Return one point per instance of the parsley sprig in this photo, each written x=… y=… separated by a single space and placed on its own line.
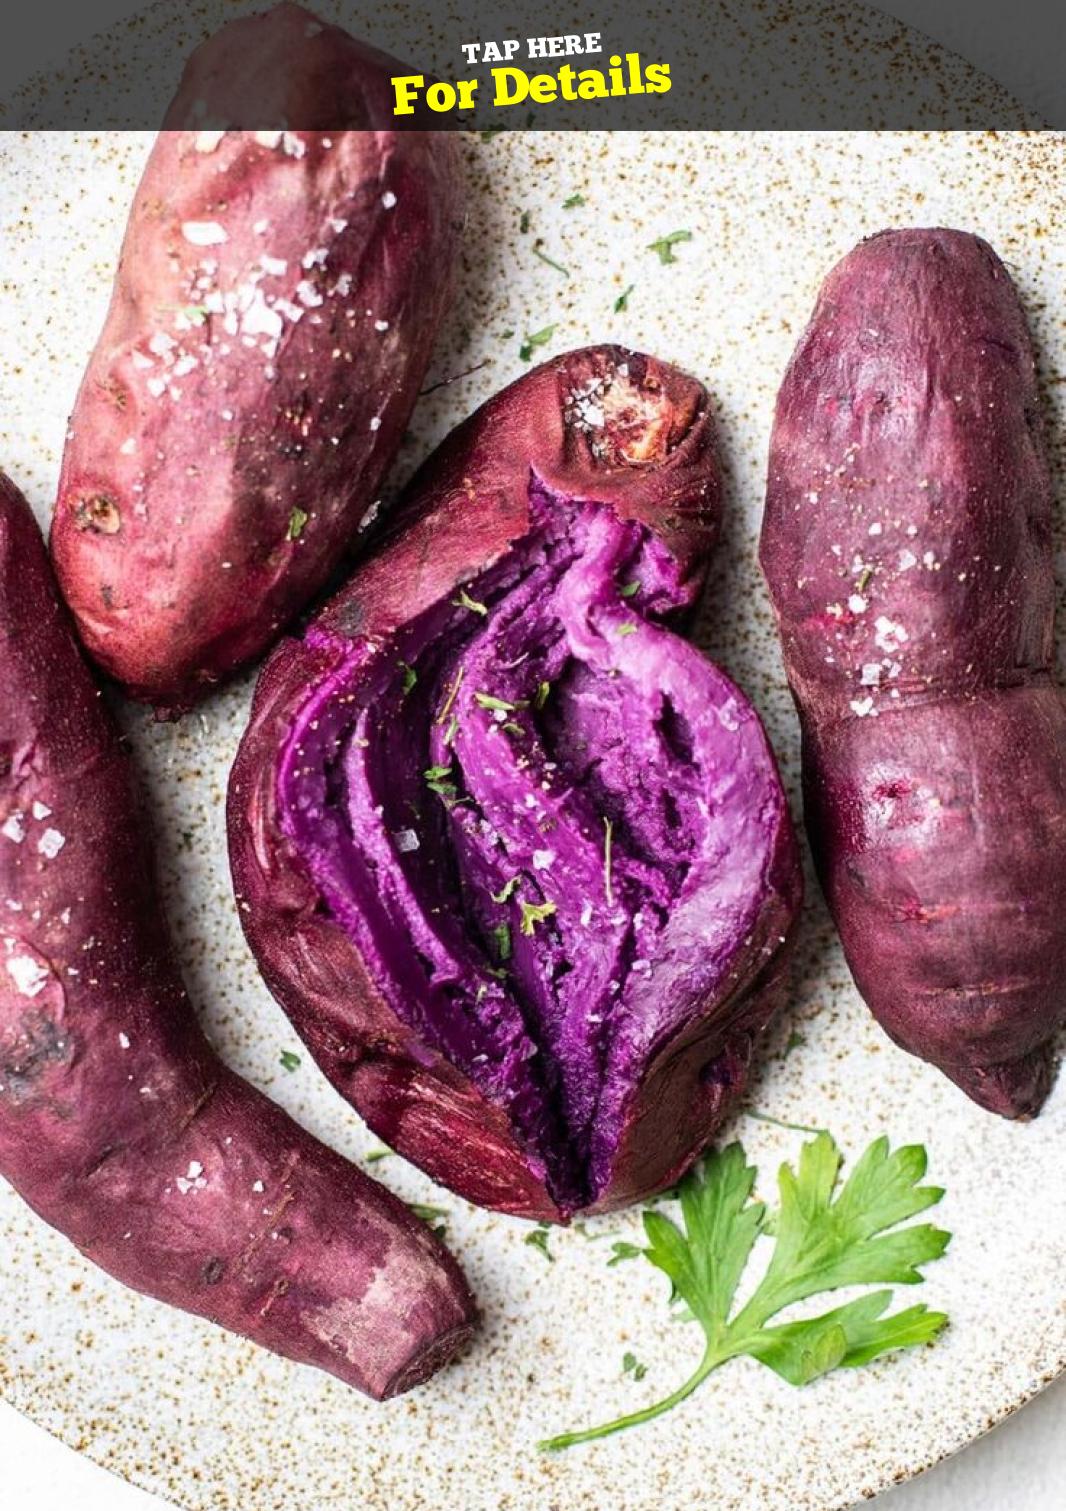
x=824 y=1239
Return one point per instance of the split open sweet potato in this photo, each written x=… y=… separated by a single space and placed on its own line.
x=514 y=855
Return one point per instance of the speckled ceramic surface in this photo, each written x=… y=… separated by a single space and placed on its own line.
x=213 y=1422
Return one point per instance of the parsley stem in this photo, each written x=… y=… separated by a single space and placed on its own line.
x=710 y=1362
x=764 y=1117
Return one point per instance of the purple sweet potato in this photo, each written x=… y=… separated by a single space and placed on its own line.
x=907 y=545
x=276 y=300
x=515 y=857
x=118 y=1123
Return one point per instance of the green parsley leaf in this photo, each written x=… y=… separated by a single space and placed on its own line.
x=620 y=1251
x=540 y=697
x=507 y=335
x=437 y=773
x=464 y=601
x=534 y=913
x=573 y=200
x=795 y=1041
x=452 y=730
x=506 y=891
x=376 y=1155
x=665 y=245
x=488 y=132
x=289 y=1060
x=622 y=302
x=501 y=937
x=523 y=222
x=538 y=338
x=864 y=579
x=628 y=589
x=410 y=677
x=827 y=1237
x=538 y=1239
x=297 y=520
x=630 y=1366
x=538 y=251
x=629 y=628
x=196 y=314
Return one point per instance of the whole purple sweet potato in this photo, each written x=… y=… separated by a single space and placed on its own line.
x=514 y=857
x=118 y=1124
x=276 y=301
x=907 y=544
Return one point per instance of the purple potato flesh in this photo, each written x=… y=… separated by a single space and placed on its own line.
x=550 y=828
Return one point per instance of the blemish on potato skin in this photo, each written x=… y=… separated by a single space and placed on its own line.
x=97 y=513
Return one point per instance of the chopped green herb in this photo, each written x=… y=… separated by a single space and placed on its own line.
x=297 y=520
x=795 y=1040
x=538 y=1239
x=621 y=1251
x=501 y=936
x=582 y=1228
x=631 y=1367
x=629 y=628
x=534 y=913
x=622 y=302
x=523 y=222
x=538 y=251
x=507 y=335
x=488 y=132
x=512 y=729
x=486 y=700
x=538 y=338
x=464 y=601
x=375 y=1156
x=289 y=1060
x=864 y=579
x=540 y=697
x=573 y=201
x=410 y=677
x=666 y=244
x=506 y=891
x=435 y=1217
x=452 y=730
x=438 y=780
x=196 y=314
x=608 y=835
x=827 y=1237
x=628 y=589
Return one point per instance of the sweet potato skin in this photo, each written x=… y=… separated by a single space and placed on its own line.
x=907 y=546
x=461 y=513
x=118 y=1123
x=273 y=313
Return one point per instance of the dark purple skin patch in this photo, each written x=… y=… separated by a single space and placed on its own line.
x=548 y=824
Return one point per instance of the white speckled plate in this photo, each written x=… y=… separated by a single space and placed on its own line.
x=186 y=1410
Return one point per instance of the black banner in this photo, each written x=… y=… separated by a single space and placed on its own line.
x=703 y=64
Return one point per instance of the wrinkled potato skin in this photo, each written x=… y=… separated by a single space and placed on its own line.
x=461 y=513
x=909 y=490
x=118 y=1123
x=209 y=487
